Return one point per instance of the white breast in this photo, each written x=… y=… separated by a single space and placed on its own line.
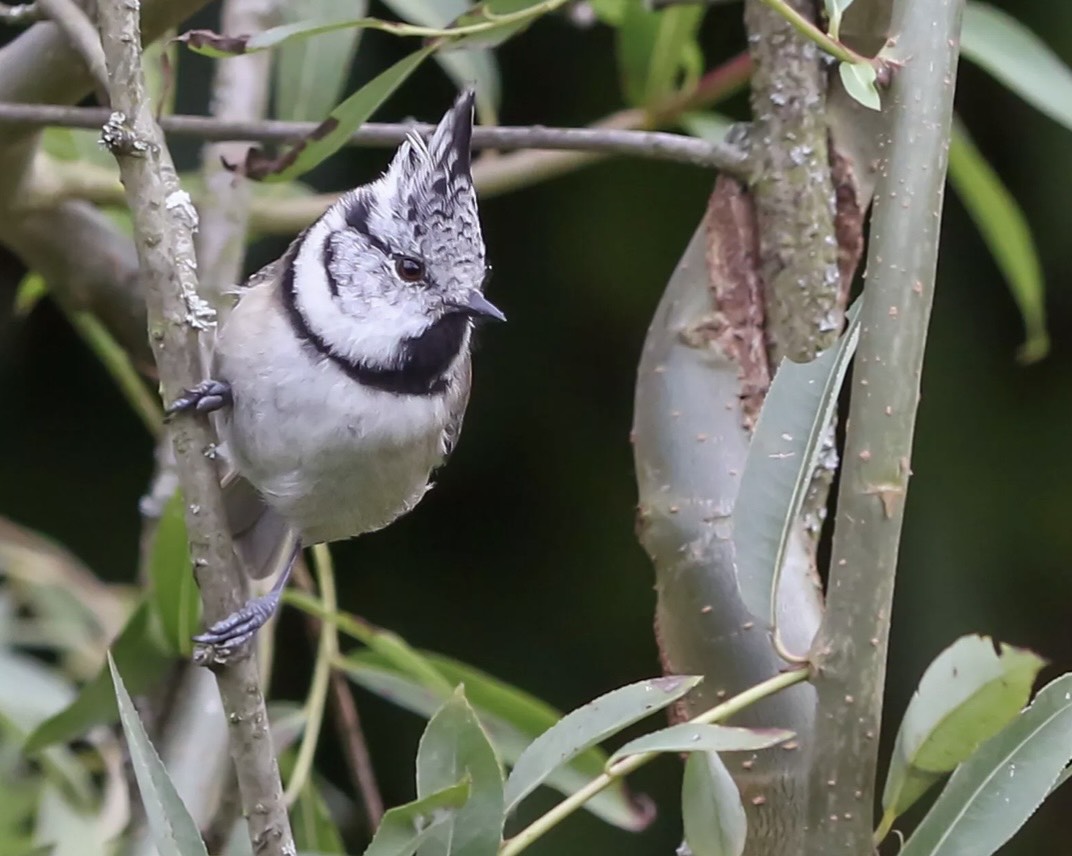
x=335 y=458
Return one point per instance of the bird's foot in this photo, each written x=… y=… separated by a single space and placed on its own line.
x=207 y=396
x=240 y=626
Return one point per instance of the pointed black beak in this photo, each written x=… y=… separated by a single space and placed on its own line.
x=476 y=305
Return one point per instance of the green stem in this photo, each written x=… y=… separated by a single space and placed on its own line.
x=118 y=365
x=811 y=32
x=618 y=770
x=318 y=688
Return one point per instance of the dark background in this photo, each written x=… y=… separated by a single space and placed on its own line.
x=523 y=561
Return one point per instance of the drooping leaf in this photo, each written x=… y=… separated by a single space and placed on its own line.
x=311 y=73
x=587 y=726
x=654 y=48
x=219 y=45
x=173 y=830
x=453 y=747
x=1008 y=50
x=333 y=132
x=859 y=78
x=139 y=652
x=174 y=594
x=686 y=737
x=475 y=68
x=992 y=794
x=781 y=458
x=512 y=719
x=1004 y=227
x=405 y=827
x=966 y=696
x=711 y=810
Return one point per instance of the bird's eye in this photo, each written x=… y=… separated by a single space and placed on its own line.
x=409 y=269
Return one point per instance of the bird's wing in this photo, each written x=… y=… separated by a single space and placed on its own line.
x=263 y=539
x=456 y=404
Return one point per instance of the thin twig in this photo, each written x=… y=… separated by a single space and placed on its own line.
x=74 y=23
x=239 y=92
x=620 y=769
x=636 y=143
x=163 y=225
x=347 y=721
x=849 y=655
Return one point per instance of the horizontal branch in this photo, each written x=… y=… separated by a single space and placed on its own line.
x=646 y=144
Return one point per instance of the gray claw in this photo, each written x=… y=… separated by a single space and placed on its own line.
x=207 y=396
x=240 y=626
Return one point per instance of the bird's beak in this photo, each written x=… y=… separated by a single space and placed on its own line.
x=476 y=305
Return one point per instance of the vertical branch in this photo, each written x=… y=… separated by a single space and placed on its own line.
x=164 y=221
x=793 y=190
x=849 y=655
x=239 y=92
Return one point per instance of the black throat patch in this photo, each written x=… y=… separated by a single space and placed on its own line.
x=423 y=363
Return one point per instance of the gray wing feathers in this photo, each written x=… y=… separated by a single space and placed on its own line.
x=263 y=540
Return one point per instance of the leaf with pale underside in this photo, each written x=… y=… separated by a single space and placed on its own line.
x=404 y=828
x=992 y=794
x=781 y=459
x=711 y=810
x=835 y=9
x=859 y=78
x=588 y=725
x=687 y=737
x=967 y=695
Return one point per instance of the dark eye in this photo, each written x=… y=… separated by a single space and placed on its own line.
x=410 y=269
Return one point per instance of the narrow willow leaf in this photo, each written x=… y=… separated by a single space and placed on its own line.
x=992 y=794
x=405 y=827
x=174 y=831
x=834 y=11
x=686 y=737
x=1004 y=227
x=334 y=131
x=654 y=48
x=29 y=293
x=174 y=593
x=711 y=810
x=453 y=747
x=858 y=78
x=218 y=45
x=311 y=73
x=512 y=720
x=781 y=458
x=966 y=696
x=314 y=828
x=707 y=125
x=588 y=725
x=1008 y=50
x=139 y=653
x=475 y=68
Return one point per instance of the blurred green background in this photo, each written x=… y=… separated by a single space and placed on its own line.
x=522 y=561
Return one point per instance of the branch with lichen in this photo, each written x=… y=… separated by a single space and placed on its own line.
x=164 y=221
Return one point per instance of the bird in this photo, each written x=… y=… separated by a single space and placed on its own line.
x=339 y=380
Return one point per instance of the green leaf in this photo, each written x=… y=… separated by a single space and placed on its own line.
x=588 y=725
x=711 y=810
x=966 y=696
x=475 y=68
x=405 y=827
x=454 y=746
x=858 y=78
x=834 y=10
x=654 y=48
x=1004 y=228
x=28 y=294
x=1008 y=50
x=512 y=719
x=314 y=828
x=209 y=43
x=992 y=794
x=707 y=125
x=781 y=459
x=174 y=593
x=310 y=74
x=139 y=653
x=174 y=831
x=334 y=131
x=687 y=737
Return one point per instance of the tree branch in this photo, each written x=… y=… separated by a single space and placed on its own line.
x=602 y=140
x=164 y=221
x=82 y=36
x=849 y=656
